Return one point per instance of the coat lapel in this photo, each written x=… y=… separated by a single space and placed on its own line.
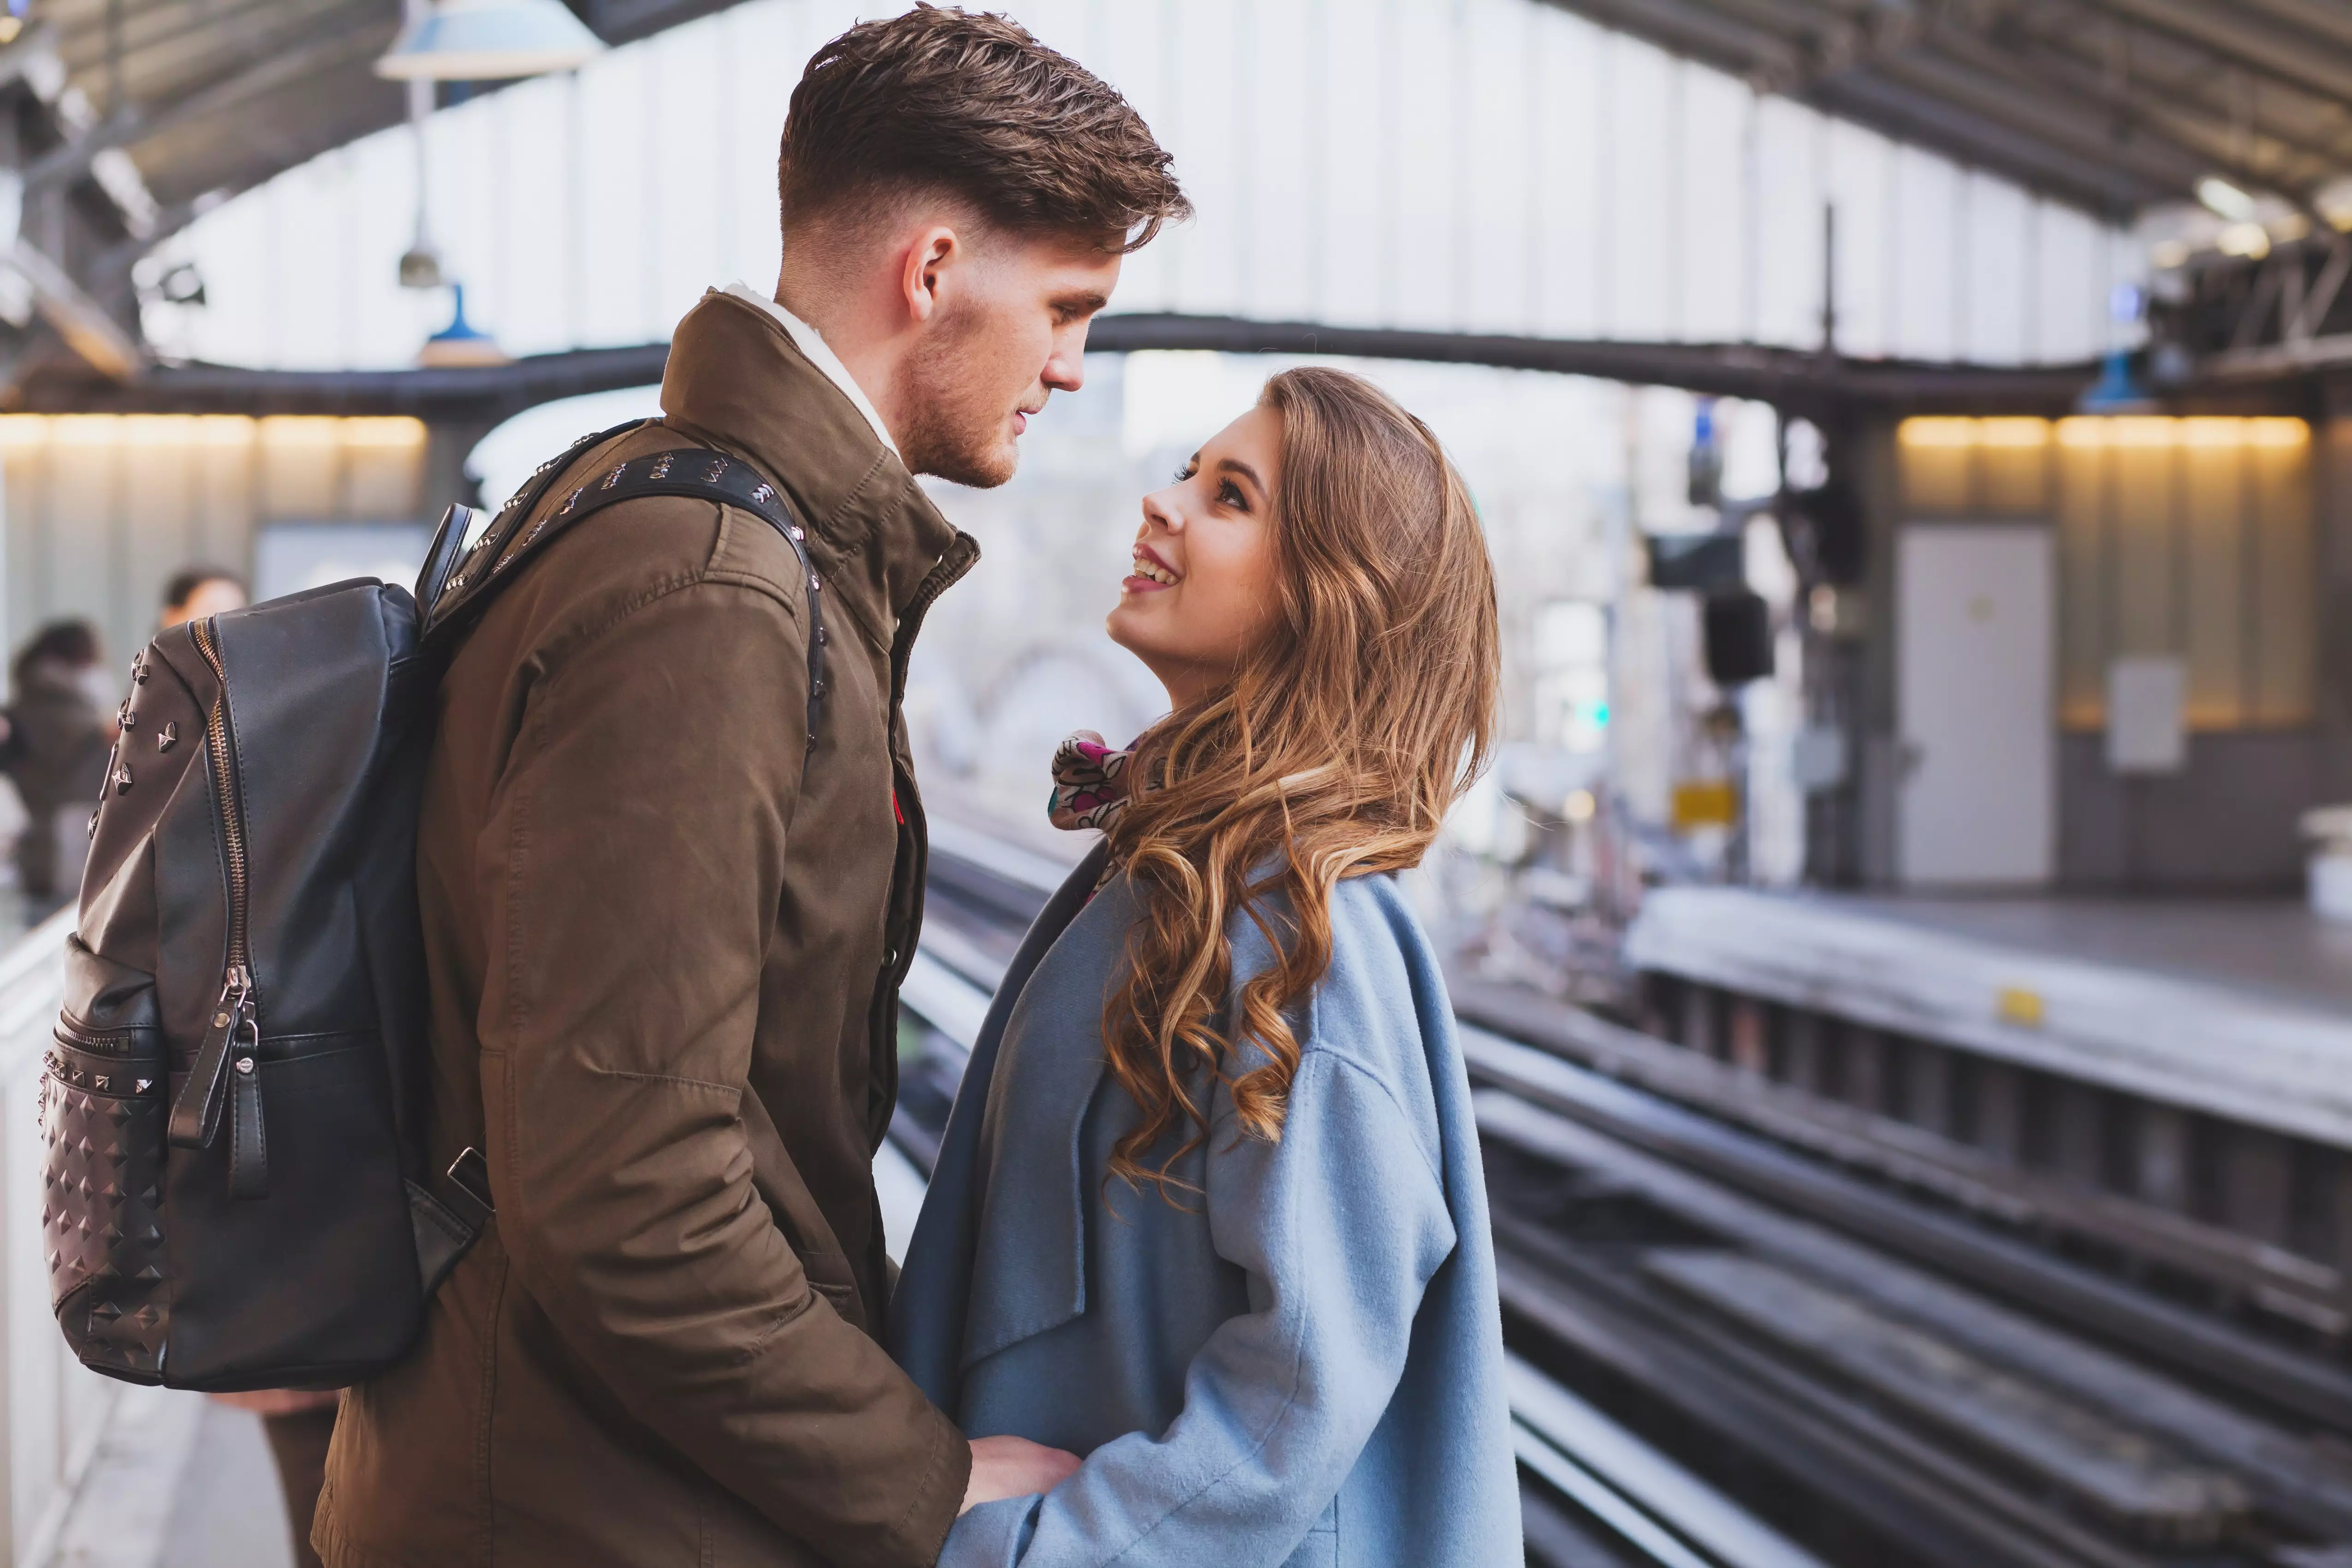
x=1029 y=1269
x=928 y=1314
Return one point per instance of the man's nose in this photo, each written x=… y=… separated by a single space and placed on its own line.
x=1065 y=372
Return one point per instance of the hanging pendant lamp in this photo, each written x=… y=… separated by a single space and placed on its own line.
x=489 y=40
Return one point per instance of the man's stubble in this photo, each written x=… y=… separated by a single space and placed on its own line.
x=956 y=409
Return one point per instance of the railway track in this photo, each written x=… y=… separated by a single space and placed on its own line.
x=1731 y=1350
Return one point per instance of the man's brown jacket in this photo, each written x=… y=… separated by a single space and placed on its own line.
x=666 y=937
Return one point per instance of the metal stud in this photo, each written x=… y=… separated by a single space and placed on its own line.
x=614 y=476
x=93 y=825
x=168 y=736
x=122 y=779
x=661 y=467
x=717 y=467
x=124 y=718
x=797 y=534
x=145 y=1084
x=817 y=689
x=139 y=671
x=105 y=1081
x=815 y=582
x=761 y=493
x=245 y=1067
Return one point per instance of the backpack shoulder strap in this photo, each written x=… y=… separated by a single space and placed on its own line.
x=689 y=471
x=449 y=539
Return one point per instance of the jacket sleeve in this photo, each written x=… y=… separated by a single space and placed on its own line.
x=1338 y=1246
x=633 y=870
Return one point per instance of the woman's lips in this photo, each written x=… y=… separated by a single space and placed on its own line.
x=1134 y=584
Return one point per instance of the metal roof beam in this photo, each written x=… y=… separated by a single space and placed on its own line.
x=1793 y=378
x=2039 y=115
x=332 y=42
x=2308 y=65
x=1695 y=30
x=2035 y=69
x=2081 y=168
x=196 y=21
x=2096 y=184
x=2326 y=21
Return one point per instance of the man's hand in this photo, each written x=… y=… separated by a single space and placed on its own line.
x=1014 y=1467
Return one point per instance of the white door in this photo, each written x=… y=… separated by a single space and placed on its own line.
x=1975 y=652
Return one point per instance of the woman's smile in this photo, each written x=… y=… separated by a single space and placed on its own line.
x=1151 y=572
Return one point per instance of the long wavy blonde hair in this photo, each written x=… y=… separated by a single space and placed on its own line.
x=1334 y=751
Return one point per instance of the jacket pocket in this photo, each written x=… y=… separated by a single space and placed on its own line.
x=829 y=1276
x=103 y=1106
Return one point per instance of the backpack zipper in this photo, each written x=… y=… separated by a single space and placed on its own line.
x=233 y=1040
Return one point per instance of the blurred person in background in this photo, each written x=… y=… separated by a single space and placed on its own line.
x=60 y=726
x=199 y=592
x=1209 y=1209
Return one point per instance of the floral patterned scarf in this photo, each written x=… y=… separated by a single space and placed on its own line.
x=1089 y=782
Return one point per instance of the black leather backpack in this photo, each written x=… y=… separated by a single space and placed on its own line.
x=236 y=1190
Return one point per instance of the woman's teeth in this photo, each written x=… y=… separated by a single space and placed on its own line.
x=1147 y=567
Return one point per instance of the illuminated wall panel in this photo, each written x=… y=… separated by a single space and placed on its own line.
x=2190 y=537
x=103 y=509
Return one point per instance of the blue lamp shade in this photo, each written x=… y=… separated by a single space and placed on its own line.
x=489 y=40
x=460 y=343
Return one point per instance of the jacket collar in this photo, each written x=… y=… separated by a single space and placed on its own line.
x=736 y=379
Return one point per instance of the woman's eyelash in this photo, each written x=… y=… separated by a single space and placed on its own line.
x=1230 y=494
x=1186 y=472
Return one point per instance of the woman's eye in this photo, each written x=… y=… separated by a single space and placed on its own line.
x=1230 y=494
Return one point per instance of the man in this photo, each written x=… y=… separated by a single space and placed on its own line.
x=665 y=927
x=197 y=592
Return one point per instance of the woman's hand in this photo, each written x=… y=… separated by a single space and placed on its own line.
x=1014 y=1467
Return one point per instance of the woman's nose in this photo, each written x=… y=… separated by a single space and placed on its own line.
x=1157 y=509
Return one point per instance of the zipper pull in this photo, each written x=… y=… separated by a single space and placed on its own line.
x=248 y=1161
x=196 y=1114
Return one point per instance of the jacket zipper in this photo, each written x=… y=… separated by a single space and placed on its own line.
x=233 y=1017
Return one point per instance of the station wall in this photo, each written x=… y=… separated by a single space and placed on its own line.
x=102 y=510
x=2196 y=539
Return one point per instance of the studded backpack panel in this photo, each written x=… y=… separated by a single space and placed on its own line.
x=235 y=1190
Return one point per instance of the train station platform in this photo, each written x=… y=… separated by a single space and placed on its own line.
x=2237 y=1009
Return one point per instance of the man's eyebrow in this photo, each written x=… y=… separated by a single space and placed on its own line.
x=1236 y=466
x=1089 y=303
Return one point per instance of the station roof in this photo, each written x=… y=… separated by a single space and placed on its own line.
x=2107 y=104
x=2111 y=105
x=217 y=95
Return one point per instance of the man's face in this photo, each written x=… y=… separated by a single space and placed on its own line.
x=1010 y=331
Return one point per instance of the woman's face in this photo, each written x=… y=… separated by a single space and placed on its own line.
x=1201 y=594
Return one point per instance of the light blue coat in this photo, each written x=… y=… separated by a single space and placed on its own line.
x=1301 y=1369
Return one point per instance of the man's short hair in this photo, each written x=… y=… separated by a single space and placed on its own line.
x=972 y=106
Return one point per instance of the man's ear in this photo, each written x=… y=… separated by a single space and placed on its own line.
x=925 y=257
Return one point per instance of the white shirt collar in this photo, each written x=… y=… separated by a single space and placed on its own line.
x=813 y=344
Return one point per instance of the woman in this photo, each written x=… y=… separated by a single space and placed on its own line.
x=1209 y=1209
